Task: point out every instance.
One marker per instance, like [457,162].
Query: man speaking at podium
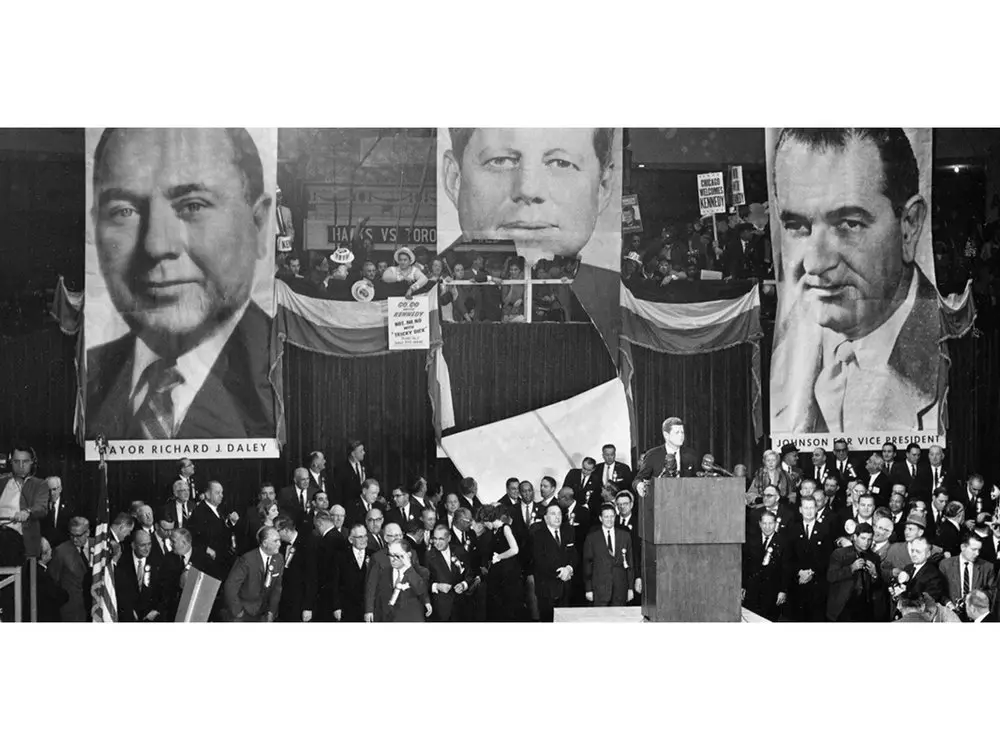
[671,459]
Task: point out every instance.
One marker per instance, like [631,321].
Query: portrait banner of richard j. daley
[179,297]
[858,339]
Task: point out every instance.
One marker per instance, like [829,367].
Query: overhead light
[641,166]
[957,169]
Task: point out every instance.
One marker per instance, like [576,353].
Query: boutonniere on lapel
[572,519]
[900,587]
[401,586]
[270,575]
[624,557]
[145,575]
[458,565]
[767,557]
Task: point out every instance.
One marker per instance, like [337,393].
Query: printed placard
[409,323]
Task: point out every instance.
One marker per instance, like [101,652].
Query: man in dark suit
[878,481]
[317,471]
[468,494]
[856,588]
[212,533]
[252,590]
[784,516]
[352,569]
[923,575]
[51,596]
[55,524]
[451,575]
[935,513]
[608,563]
[511,497]
[912,474]
[629,521]
[185,472]
[401,510]
[400,592]
[554,561]
[178,508]
[950,531]
[585,481]
[186,296]
[971,494]
[576,516]
[763,582]
[296,501]
[329,547]
[71,570]
[670,459]
[991,546]
[965,572]
[350,474]
[743,255]
[359,506]
[940,477]
[298,587]
[842,464]
[139,582]
[808,549]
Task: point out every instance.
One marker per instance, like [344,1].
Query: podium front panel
[696,510]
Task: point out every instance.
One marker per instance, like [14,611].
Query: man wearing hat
[898,556]
[790,464]
[857,590]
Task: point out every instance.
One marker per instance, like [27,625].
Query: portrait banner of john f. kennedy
[179,295]
[555,193]
[857,341]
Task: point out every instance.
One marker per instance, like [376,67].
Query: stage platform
[623,615]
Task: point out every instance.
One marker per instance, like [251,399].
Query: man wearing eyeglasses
[400,592]
[784,516]
[352,567]
[71,569]
[378,562]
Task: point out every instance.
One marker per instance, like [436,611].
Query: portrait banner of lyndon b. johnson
[179,292]
[556,193]
[858,337]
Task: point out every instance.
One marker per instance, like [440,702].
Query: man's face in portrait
[176,230]
[543,188]
[841,242]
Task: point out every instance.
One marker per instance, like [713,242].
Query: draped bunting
[353,329]
[692,319]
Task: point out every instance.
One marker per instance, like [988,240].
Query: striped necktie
[155,416]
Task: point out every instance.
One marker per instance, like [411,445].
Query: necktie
[831,387]
[83,554]
[558,540]
[55,514]
[360,471]
[140,573]
[937,477]
[527,514]
[302,497]
[395,578]
[155,417]
[966,581]
[809,531]
[611,549]
[913,470]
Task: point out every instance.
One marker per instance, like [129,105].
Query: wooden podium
[691,531]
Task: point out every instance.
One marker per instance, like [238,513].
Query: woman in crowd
[770,473]
[461,295]
[504,597]
[248,526]
[405,272]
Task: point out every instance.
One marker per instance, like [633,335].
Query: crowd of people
[898,538]
[336,547]
[358,272]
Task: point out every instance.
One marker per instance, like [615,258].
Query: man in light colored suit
[608,565]
[966,572]
[857,342]
[253,588]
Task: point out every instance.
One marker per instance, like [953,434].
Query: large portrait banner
[858,342]
[179,293]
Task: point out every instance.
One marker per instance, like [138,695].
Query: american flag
[105,608]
